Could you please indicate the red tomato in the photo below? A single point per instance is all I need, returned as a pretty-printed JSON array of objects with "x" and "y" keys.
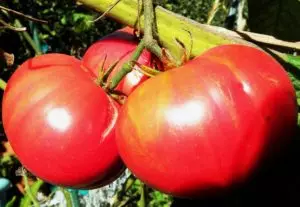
[
  {"x": 208, "y": 124},
  {"x": 117, "y": 45},
  {"x": 60, "y": 124}
]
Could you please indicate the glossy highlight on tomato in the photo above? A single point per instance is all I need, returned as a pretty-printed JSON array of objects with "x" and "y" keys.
[
  {"x": 209, "y": 123},
  {"x": 118, "y": 45},
  {"x": 60, "y": 123}
]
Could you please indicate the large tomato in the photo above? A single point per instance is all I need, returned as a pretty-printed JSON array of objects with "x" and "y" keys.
[
  {"x": 118, "y": 45},
  {"x": 60, "y": 124},
  {"x": 207, "y": 124}
]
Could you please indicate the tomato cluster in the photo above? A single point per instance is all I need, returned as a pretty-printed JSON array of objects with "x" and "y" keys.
[{"x": 204, "y": 125}]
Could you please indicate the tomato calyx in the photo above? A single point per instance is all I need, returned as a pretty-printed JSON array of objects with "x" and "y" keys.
[
  {"x": 148, "y": 71},
  {"x": 101, "y": 79},
  {"x": 169, "y": 62}
]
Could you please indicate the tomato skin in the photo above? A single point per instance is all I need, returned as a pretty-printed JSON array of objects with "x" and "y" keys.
[
  {"x": 207, "y": 125},
  {"x": 117, "y": 45},
  {"x": 60, "y": 124}
]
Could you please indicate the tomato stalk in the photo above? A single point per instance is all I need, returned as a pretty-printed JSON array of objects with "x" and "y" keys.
[
  {"x": 127, "y": 67},
  {"x": 150, "y": 43},
  {"x": 142, "y": 202},
  {"x": 147, "y": 42}
]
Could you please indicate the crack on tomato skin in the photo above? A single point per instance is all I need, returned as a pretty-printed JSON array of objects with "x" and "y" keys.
[
  {"x": 34, "y": 63},
  {"x": 113, "y": 119},
  {"x": 43, "y": 67},
  {"x": 269, "y": 78}
]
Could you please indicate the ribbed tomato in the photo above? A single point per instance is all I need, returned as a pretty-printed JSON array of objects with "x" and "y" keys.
[
  {"x": 207, "y": 124},
  {"x": 60, "y": 124},
  {"x": 118, "y": 45}
]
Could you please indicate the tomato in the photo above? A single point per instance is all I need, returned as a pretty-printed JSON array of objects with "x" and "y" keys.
[
  {"x": 118, "y": 45},
  {"x": 60, "y": 123},
  {"x": 206, "y": 126}
]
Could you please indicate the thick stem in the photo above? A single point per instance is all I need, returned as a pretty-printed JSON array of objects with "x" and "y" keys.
[
  {"x": 150, "y": 43},
  {"x": 127, "y": 67},
  {"x": 2, "y": 84},
  {"x": 147, "y": 42},
  {"x": 171, "y": 26}
]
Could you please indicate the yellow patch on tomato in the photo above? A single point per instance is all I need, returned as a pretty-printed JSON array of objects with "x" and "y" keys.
[{"x": 150, "y": 101}]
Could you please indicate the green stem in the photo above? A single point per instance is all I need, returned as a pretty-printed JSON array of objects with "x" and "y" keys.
[
  {"x": 147, "y": 42},
  {"x": 142, "y": 202},
  {"x": 67, "y": 196},
  {"x": 2, "y": 84},
  {"x": 29, "y": 193},
  {"x": 127, "y": 67},
  {"x": 150, "y": 43},
  {"x": 28, "y": 38}
]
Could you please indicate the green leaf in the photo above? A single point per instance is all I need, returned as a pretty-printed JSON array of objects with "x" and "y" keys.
[
  {"x": 279, "y": 18},
  {"x": 63, "y": 20},
  {"x": 294, "y": 60},
  {"x": 160, "y": 199}
]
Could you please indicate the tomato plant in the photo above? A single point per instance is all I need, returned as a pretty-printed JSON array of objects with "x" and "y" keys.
[
  {"x": 117, "y": 46},
  {"x": 60, "y": 124},
  {"x": 209, "y": 123}
]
